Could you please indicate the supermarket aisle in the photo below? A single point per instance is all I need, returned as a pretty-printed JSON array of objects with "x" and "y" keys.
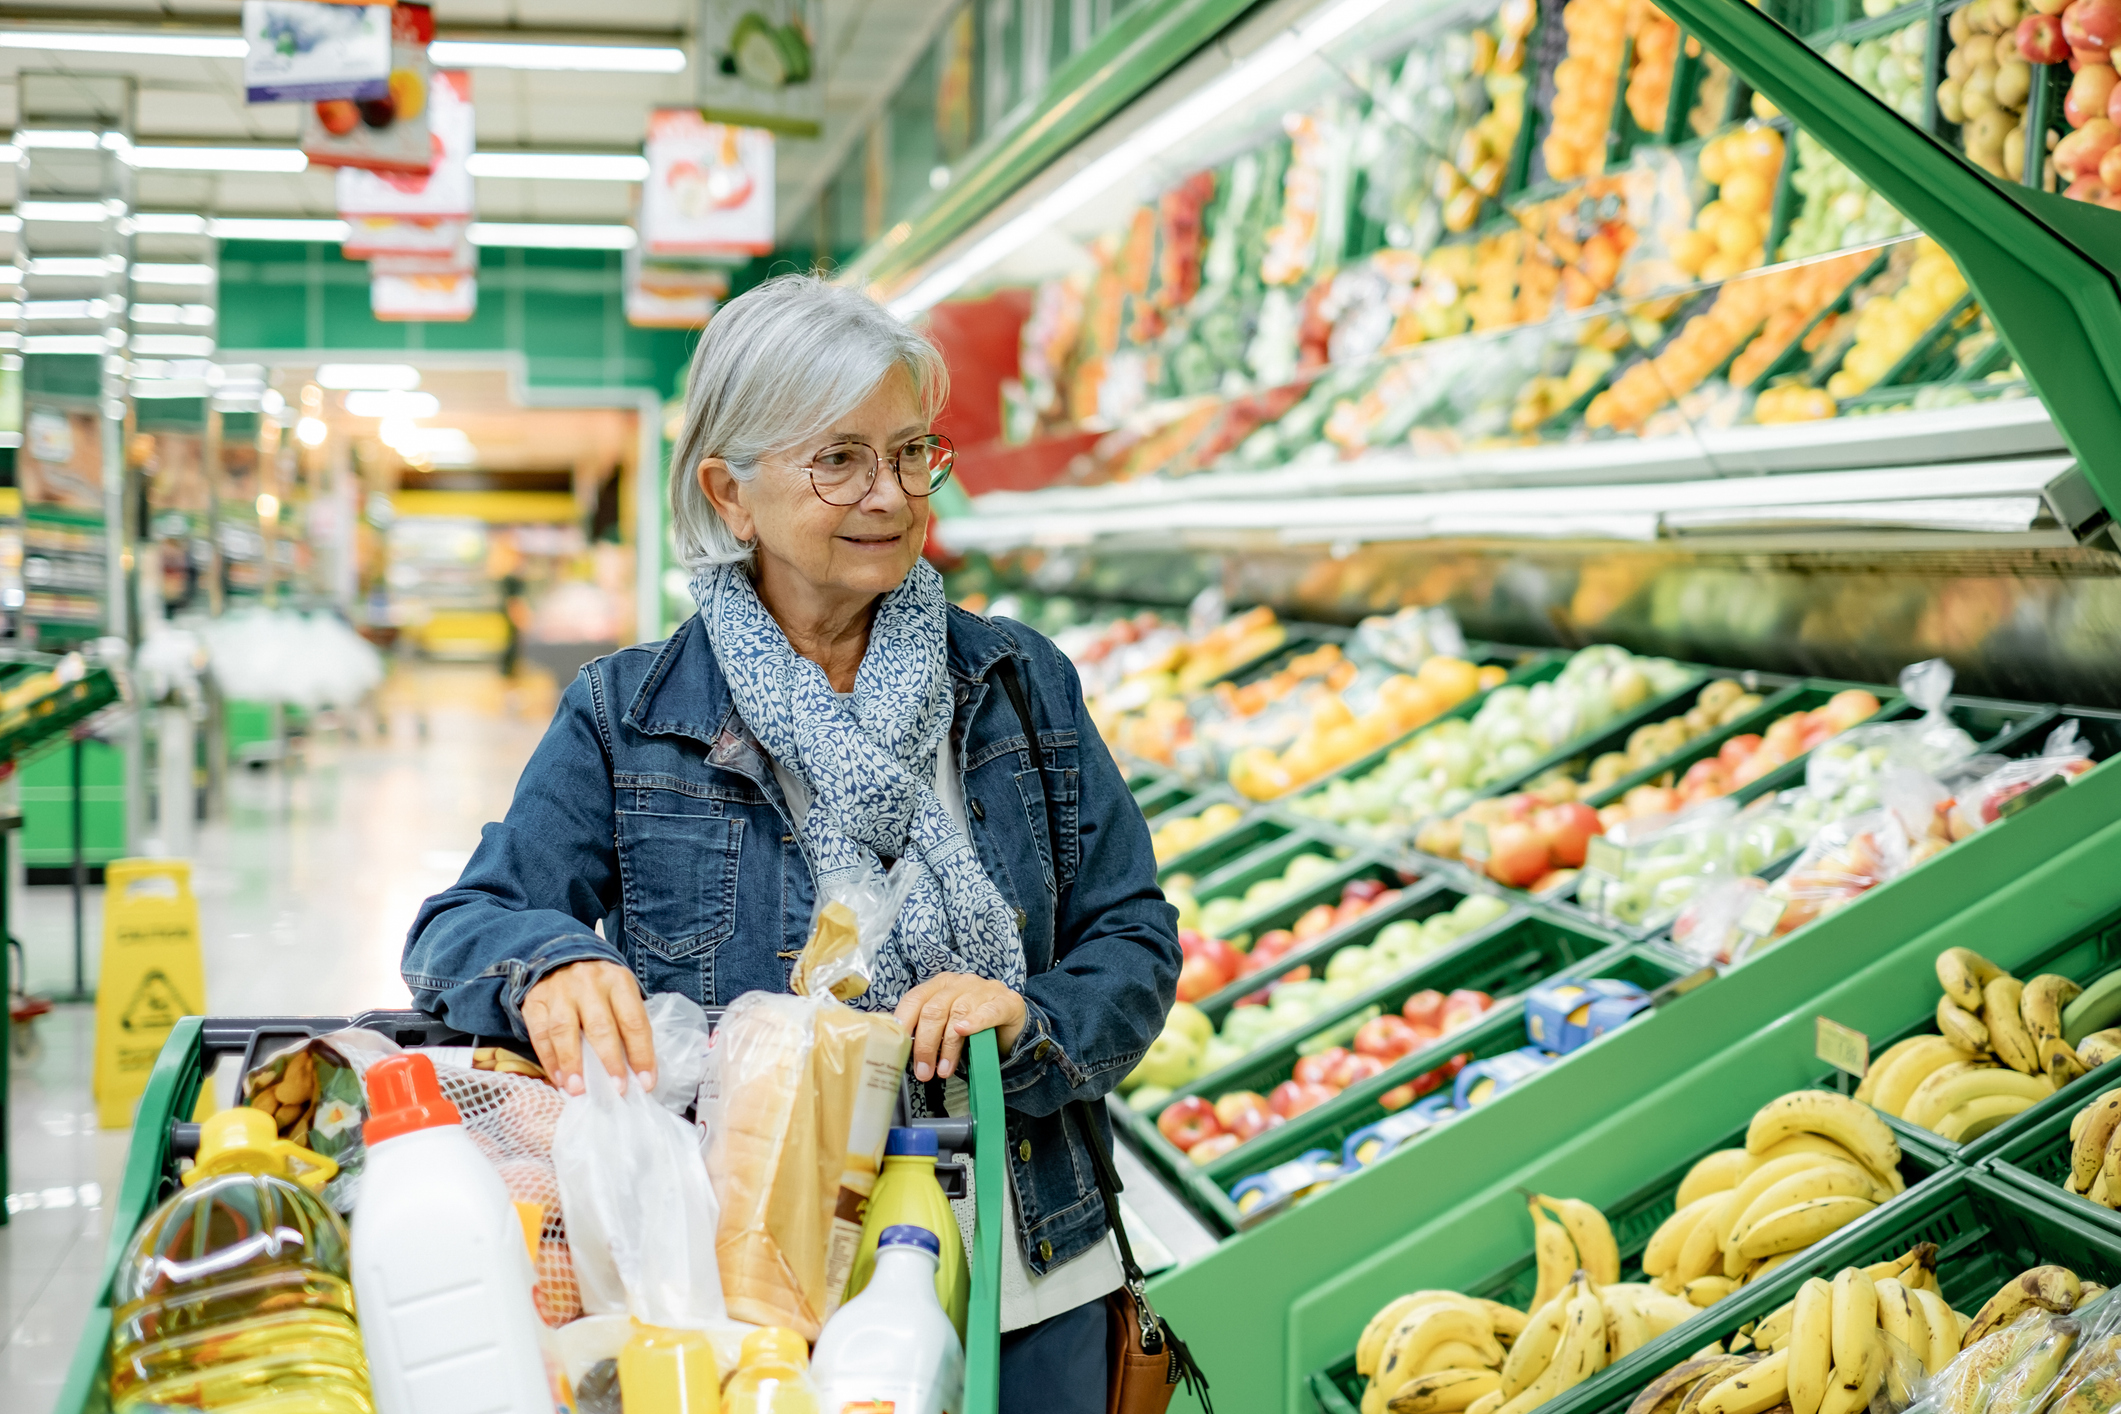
[{"x": 305, "y": 890}]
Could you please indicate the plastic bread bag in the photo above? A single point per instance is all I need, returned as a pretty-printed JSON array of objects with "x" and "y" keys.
[
  {"x": 641, "y": 1215},
  {"x": 853, "y": 919},
  {"x": 1930, "y": 742},
  {"x": 2062, "y": 759}
]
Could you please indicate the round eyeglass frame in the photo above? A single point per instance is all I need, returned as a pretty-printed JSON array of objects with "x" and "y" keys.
[{"x": 934, "y": 441}]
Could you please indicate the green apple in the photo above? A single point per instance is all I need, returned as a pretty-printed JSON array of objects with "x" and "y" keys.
[
  {"x": 1173, "y": 1060},
  {"x": 1352, "y": 961},
  {"x": 1190, "y": 1020},
  {"x": 1479, "y": 910},
  {"x": 1149, "y": 1099}
]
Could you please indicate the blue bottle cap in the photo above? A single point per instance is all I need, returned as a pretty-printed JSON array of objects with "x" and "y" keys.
[
  {"x": 919, "y": 1143},
  {"x": 907, "y": 1235}
]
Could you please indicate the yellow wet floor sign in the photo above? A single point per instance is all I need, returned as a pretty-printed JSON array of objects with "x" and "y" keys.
[{"x": 151, "y": 976}]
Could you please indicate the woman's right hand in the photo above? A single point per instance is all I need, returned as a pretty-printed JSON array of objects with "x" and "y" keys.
[{"x": 600, "y": 1000}]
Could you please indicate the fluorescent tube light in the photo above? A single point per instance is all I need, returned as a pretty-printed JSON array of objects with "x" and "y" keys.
[
  {"x": 173, "y": 46},
  {"x": 385, "y": 376},
  {"x": 552, "y": 236},
  {"x": 274, "y": 228},
  {"x": 76, "y": 267},
  {"x": 393, "y": 403},
  {"x": 583, "y": 58},
  {"x": 64, "y": 344},
  {"x": 173, "y": 345},
  {"x": 219, "y": 159},
  {"x": 10, "y": 224},
  {"x": 560, "y": 166},
  {"x": 151, "y": 273},
  {"x": 195, "y": 315},
  {"x": 169, "y": 223},
  {"x": 65, "y": 309},
  {"x": 9, "y": 153},
  {"x": 68, "y": 210},
  {"x": 73, "y": 138}
]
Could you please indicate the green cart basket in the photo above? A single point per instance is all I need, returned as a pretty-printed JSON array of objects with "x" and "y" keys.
[{"x": 162, "y": 1134}]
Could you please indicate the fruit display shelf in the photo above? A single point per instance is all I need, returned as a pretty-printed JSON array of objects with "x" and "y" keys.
[
  {"x": 46, "y": 706},
  {"x": 1281, "y": 1300},
  {"x": 1269, "y": 861},
  {"x": 2035, "y": 1156},
  {"x": 1254, "y": 830},
  {"x": 1338, "y": 1389},
  {"x": 1986, "y": 1230}
]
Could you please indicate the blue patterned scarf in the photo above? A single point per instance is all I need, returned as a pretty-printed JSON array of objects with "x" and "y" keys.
[{"x": 869, "y": 764}]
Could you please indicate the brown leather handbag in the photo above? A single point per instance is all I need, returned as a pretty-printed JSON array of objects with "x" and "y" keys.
[{"x": 1145, "y": 1358}]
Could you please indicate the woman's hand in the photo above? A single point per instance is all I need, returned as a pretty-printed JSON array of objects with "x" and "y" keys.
[
  {"x": 600, "y": 1000},
  {"x": 944, "y": 1010}
]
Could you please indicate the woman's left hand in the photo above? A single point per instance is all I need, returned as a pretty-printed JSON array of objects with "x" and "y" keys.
[{"x": 942, "y": 1011}]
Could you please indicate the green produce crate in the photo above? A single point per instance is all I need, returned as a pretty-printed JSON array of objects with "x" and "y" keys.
[
  {"x": 1987, "y": 1231},
  {"x": 1168, "y": 794},
  {"x": 161, "y": 1136},
  {"x": 1249, "y": 834},
  {"x": 1271, "y": 861},
  {"x": 1987, "y": 720},
  {"x": 2035, "y": 1158},
  {"x": 1633, "y": 1219},
  {"x": 1803, "y": 695}
]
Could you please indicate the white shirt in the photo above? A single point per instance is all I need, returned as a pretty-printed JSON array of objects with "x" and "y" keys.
[{"x": 1027, "y": 1298}]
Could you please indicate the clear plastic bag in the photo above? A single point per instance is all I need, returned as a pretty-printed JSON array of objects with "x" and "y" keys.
[
  {"x": 1716, "y": 925},
  {"x": 679, "y": 1030},
  {"x": 641, "y": 1214},
  {"x": 2064, "y": 1361},
  {"x": 1845, "y": 860},
  {"x": 853, "y": 918},
  {"x": 1931, "y": 742},
  {"x": 1642, "y": 872},
  {"x": 1987, "y": 800}
]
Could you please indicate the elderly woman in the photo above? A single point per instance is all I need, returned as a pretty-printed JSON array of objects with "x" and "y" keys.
[{"x": 825, "y": 713}]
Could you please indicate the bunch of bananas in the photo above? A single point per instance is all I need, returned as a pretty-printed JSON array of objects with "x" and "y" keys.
[
  {"x": 2000, "y": 1049},
  {"x": 1813, "y": 1162},
  {"x": 2095, "y": 1150},
  {"x": 1435, "y": 1351},
  {"x": 2026, "y": 1335}
]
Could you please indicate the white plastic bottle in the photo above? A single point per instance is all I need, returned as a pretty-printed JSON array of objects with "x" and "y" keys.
[
  {"x": 892, "y": 1347},
  {"x": 440, "y": 1274}
]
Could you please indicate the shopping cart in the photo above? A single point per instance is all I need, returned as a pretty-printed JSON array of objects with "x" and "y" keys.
[{"x": 163, "y": 1134}]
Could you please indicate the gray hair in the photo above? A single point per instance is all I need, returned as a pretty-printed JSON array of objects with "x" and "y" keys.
[{"x": 777, "y": 366}]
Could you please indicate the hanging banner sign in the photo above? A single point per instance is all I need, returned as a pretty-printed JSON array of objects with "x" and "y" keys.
[
  {"x": 61, "y": 459},
  {"x": 461, "y": 259},
  {"x": 387, "y": 134},
  {"x": 151, "y": 977},
  {"x": 301, "y": 51},
  {"x": 425, "y": 297},
  {"x": 665, "y": 296},
  {"x": 709, "y": 189},
  {"x": 445, "y": 188},
  {"x": 373, "y": 237}
]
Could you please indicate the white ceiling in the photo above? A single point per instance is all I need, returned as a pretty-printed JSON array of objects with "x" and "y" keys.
[{"x": 865, "y": 48}]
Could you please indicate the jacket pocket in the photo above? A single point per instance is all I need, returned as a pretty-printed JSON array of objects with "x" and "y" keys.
[
  {"x": 1051, "y": 794},
  {"x": 678, "y": 876}
]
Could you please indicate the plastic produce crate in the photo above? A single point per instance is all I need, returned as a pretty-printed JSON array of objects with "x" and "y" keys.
[
  {"x": 162, "y": 1134},
  {"x": 1987, "y": 1231},
  {"x": 1271, "y": 861},
  {"x": 1634, "y": 1218},
  {"x": 1803, "y": 695},
  {"x": 1254, "y": 832},
  {"x": 2035, "y": 1157}
]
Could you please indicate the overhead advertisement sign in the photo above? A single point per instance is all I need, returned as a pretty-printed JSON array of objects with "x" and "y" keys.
[
  {"x": 301, "y": 51},
  {"x": 387, "y": 134},
  {"x": 428, "y": 297},
  {"x": 709, "y": 189},
  {"x": 672, "y": 296},
  {"x": 445, "y": 189}
]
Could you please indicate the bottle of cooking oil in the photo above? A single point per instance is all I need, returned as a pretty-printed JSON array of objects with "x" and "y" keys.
[
  {"x": 234, "y": 1294},
  {"x": 907, "y": 1192}
]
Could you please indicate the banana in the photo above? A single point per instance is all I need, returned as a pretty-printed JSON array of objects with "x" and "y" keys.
[
  {"x": 1914, "y": 1268},
  {"x": 1663, "y": 1310},
  {"x": 1707, "y": 1291},
  {"x": 1757, "y": 1271},
  {"x": 2049, "y": 1288},
  {"x": 1855, "y": 1318},
  {"x": 1879, "y": 1064},
  {"x": 1443, "y": 1392},
  {"x": 1508, "y": 1321},
  {"x": 2040, "y": 1006},
  {"x": 1961, "y": 1027},
  {"x": 1769, "y": 1175},
  {"x": 1662, "y": 1395},
  {"x": 1801, "y": 1225},
  {"x": 1849, "y": 1390},
  {"x": 1717, "y": 1172},
  {"x": 1929, "y": 1106},
  {"x": 2086, "y": 1294},
  {"x": 1811, "y": 1346},
  {"x": 1810, "y": 1144},
  {"x": 1943, "y": 1330},
  {"x": 1461, "y": 1355},
  {"x": 1486, "y": 1404},
  {"x": 1662, "y": 1253},
  {"x": 2001, "y": 1008},
  {"x": 1702, "y": 1253},
  {"x": 1774, "y": 1328},
  {"x": 2060, "y": 1061},
  {"x": 2020, "y": 1385},
  {"x": 2100, "y": 1047},
  {"x": 1369, "y": 1349},
  {"x": 1900, "y": 1316},
  {"x": 1627, "y": 1329},
  {"x": 1554, "y": 1252},
  {"x": 1580, "y": 1353},
  {"x": 1596, "y": 1252},
  {"x": 1973, "y": 1375},
  {"x": 1418, "y": 1334},
  {"x": 1756, "y": 1389},
  {"x": 1962, "y": 973},
  {"x": 1968, "y": 1122},
  {"x": 1854, "y": 1127},
  {"x": 1827, "y": 1180},
  {"x": 1924, "y": 1096},
  {"x": 1534, "y": 1349},
  {"x": 1909, "y": 1068}
]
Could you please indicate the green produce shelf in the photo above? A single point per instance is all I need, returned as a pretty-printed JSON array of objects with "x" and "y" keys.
[
  {"x": 1986, "y": 1232},
  {"x": 162, "y": 1137},
  {"x": 1634, "y": 1218},
  {"x": 1271, "y": 861},
  {"x": 39, "y": 722},
  {"x": 2035, "y": 1158},
  {"x": 1253, "y": 832},
  {"x": 1167, "y": 794},
  {"x": 1286, "y": 1298},
  {"x": 1780, "y": 696}
]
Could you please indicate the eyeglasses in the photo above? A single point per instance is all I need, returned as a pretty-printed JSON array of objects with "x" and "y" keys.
[{"x": 842, "y": 473}]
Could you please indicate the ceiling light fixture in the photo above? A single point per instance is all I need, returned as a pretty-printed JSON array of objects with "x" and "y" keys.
[
  {"x": 394, "y": 403},
  {"x": 169, "y": 223},
  {"x": 278, "y": 228},
  {"x": 582, "y": 58},
  {"x": 159, "y": 273},
  {"x": 394, "y": 377},
  {"x": 311, "y": 432},
  {"x": 66, "y": 210},
  {"x": 194, "y": 315},
  {"x": 542, "y": 235},
  {"x": 560, "y": 166},
  {"x": 219, "y": 159},
  {"x": 174, "y": 46},
  {"x": 173, "y": 345}
]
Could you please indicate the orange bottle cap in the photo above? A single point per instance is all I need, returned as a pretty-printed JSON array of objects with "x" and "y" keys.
[{"x": 403, "y": 1095}]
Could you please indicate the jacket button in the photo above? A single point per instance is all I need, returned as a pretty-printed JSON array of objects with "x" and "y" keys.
[
  {"x": 1045, "y": 1251},
  {"x": 973, "y": 805},
  {"x": 1023, "y": 1150},
  {"x": 1042, "y": 1050}
]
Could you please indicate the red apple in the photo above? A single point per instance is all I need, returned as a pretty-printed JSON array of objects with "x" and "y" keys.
[
  {"x": 1313, "y": 1070},
  {"x": 1387, "y": 1037},
  {"x": 1270, "y": 946},
  {"x": 1318, "y": 920},
  {"x": 1516, "y": 855},
  {"x": 2089, "y": 93},
  {"x": 1185, "y": 1122},
  {"x": 1464, "y": 1007},
  {"x": 1227, "y": 959},
  {"x": 2040, "y": 40},
  {"x": 1208, "y": 1150},
  {"x": 1425, "y": 1009},
  {"x": 1243, "y": 1113},
  {"x": 1191, "y": 941},
  {"x": 1348, "y": 910},
  {"x": 1552, "y": 879},
  {"x": 2086, "y": 189},
  {"x": 1734, "y": 752},
  {"x": 1292, "y": 1098},
  {"x": 2078, "y": 155},
  {"x": 1707, "y": 774},
  {"x": 2092, "y": 26},
  {"x": 338, "y": 115},
  {"x": 1364, "y": 889},
  {"x": 1353, "y": 1070},
  {"x": 2110, "y": 169},
  {"x": 1198, "y": 977},
  {"x": 1568, "y": 830}
]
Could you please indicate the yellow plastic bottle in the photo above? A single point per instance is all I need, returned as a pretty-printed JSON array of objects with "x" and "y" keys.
[
  {"x": 907, "y": 1192},
  {"x": 772, "y": 1376},
  {"x": 236, "y": 1293},
  {"x": 667, "y": 1371}
]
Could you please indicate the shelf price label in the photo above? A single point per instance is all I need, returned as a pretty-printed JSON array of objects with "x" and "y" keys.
[{"x": 1843, "y": 1047}]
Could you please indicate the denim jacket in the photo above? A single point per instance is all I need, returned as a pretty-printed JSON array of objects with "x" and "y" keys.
[{"x": 648, "y": 830}]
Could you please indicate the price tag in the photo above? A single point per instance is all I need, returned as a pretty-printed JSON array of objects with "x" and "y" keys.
[
  {"x": 1602, "y": 856},
  {"x": 2032, "y": 795},
  {"x": 1843, "y": 1047},
  {"x": 1761, "y": 915},
  {"x": 1473, "y": 842}
]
